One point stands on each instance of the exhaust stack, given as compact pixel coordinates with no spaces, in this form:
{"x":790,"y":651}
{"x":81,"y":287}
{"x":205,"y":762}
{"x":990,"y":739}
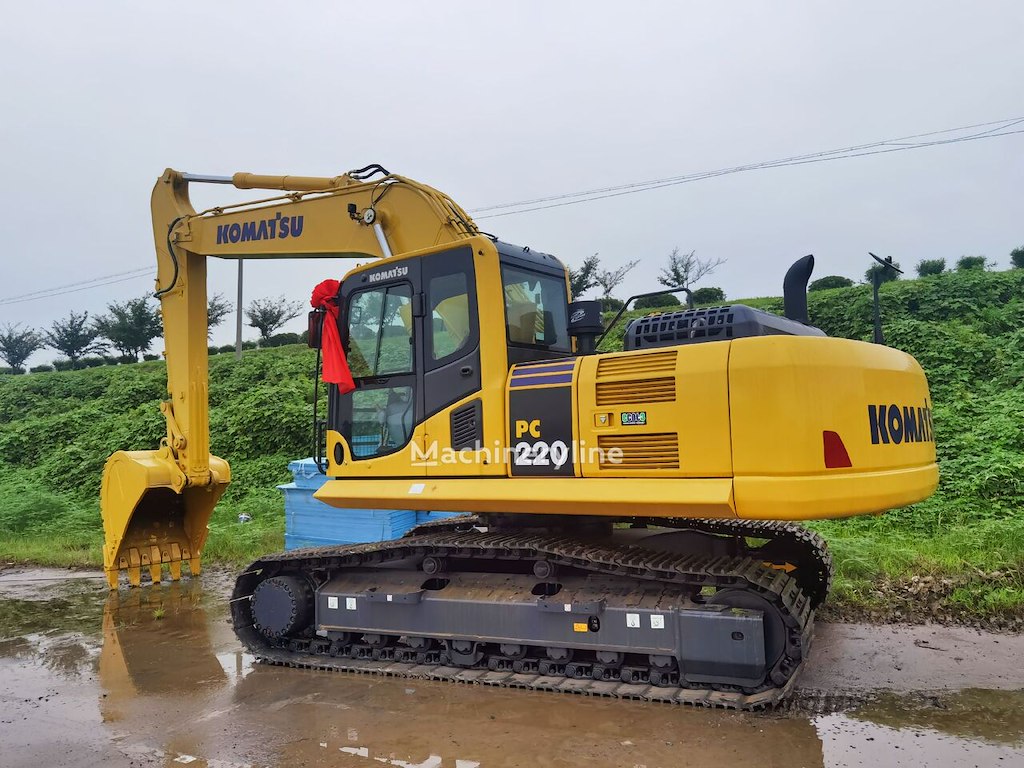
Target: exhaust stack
{"x":794,"y":289}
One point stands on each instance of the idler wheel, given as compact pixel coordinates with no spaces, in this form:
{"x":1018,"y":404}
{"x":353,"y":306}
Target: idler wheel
{"x":282,"y":606}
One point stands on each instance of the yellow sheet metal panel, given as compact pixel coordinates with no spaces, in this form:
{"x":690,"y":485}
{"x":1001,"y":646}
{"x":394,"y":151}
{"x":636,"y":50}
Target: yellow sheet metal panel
{"x":787,"y":392}
{"x":620,"y":497}
{"x":656,"y":413}
{"x":832,"y":495}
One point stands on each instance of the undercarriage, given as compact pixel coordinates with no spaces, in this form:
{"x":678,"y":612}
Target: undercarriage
{"x":708,"y":612}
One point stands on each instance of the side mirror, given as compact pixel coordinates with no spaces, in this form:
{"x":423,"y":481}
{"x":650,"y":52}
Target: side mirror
{"x":315,"y":327}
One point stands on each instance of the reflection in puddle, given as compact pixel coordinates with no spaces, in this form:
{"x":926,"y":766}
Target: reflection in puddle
{"x":433,"y":761}
{"x":174,"y":688}
{"x":992,"y":716}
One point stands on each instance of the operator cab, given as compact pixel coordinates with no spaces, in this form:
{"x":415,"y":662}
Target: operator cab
{"x":412,"y":337}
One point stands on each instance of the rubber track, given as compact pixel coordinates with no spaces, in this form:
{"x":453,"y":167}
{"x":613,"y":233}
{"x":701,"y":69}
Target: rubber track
{"x":445,"y":538}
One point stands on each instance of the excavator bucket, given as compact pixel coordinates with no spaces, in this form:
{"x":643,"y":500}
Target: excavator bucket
{"x":152,"y":517}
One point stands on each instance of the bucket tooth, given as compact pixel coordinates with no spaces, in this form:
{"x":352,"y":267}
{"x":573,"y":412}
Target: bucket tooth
{"x":175,"y":568}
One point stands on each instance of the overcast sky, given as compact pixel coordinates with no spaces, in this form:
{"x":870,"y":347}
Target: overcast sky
{"x":495,"y":103}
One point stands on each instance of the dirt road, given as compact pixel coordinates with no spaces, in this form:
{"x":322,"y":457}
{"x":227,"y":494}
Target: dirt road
{"x":154,"y":677}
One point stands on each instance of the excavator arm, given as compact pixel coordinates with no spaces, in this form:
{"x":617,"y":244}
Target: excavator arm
{"x":156,"y":504}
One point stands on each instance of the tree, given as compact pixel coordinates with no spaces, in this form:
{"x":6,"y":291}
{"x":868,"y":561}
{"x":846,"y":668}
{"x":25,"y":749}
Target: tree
{"x":17,"y":345}
{"x":609,"y":279}
{"x":965,"y":263}
{"x":685,"y":269}
{"x":75,"y":337}
{"x":217,"y":308}
{"x":830,"y":281}
{"x":708,"y":295}
{"x":267,"y":315}
{"x":927,"y":267}
{"x":131,"y":327}
{"x":1017,"y":258}
{"x":583,"y":279}
{"x":885,"y":275}
{"x":655,"y":302}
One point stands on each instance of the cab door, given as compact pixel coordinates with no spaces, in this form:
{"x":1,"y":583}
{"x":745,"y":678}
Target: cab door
{"x":382,"y":312}
{"x":451,"y":329}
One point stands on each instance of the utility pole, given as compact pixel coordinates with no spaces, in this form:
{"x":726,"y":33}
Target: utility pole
{"x":238,"y":314}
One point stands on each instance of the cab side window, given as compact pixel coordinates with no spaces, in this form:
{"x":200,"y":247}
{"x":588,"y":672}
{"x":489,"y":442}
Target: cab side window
{"x":535,"y":309}
{"x":449,"y":314}
{"x":450,"y":322}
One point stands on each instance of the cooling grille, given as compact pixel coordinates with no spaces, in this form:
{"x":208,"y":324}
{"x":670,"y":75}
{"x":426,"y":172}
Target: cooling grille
{"x":467,"y":426}
{"x":637,"y":365}
{"x":643,"y":384}
{"x":652,"y":451}
{"x":661,"y":390}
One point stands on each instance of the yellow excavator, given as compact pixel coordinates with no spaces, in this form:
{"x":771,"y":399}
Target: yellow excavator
{"x":633,"y":514}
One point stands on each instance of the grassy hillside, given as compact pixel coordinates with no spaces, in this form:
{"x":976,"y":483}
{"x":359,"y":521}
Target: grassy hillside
{"x":57,"y":429}
{"x":959,"y":554}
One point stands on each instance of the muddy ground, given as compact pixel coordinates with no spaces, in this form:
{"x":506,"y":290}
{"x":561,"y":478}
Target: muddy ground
{"x":155,"y":677}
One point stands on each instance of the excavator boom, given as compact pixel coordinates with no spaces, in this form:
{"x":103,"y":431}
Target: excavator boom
{"x":156,"y":504}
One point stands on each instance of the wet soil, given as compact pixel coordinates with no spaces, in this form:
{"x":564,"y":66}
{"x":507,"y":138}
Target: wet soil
{"x":155,"y":677}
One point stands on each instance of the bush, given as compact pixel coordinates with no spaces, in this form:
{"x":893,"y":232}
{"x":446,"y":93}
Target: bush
{"x":608,"y":304}
{"x":830,"y":281}
{"x":280,"y":340}
{"x":41,"y":368}
{"x":970,"y":262}
{"x":1017,"y":257}
{"x":150,"y":358}
{"x":655,"y":302}
{"x":229,"y":348}
{"x":885,"y":274}
{"x":123,"y":359}
{"x":91,"y":362}
{"x":710,"y":295}
{"x":213,"y":350}
{"x":7,"y":371}
{"x":247,"y":345}
{"x":927,"y":267}
{"x":63,"y":365}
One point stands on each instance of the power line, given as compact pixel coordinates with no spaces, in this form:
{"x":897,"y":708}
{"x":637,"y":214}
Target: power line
{"x":995,"y":129}
{"x":77,"y":283}
{"x":71,"y":290}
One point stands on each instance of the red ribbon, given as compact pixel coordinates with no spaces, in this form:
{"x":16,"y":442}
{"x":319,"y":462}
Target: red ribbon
{"x":336,"y":370}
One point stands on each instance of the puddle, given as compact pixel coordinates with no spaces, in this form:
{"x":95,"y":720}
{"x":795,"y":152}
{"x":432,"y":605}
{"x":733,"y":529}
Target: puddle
{"x":155,"y":677}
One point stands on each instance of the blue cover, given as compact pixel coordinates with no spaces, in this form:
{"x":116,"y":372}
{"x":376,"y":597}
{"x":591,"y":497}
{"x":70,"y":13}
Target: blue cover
{"x":309,"y":522}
